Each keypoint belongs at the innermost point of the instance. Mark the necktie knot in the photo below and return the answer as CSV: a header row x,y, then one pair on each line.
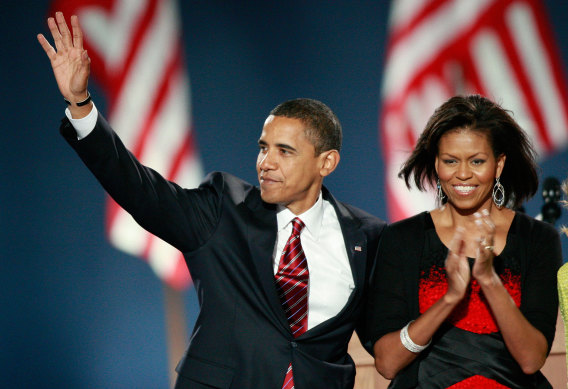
x,y
297,226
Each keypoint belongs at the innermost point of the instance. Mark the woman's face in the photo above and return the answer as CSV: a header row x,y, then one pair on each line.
x,y
467,169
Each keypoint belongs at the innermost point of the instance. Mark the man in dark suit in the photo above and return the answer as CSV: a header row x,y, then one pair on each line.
x,y
280,269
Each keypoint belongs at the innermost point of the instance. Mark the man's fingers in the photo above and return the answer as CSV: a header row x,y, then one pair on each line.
x,y
49,50
63,29
77,32
55,33
86,62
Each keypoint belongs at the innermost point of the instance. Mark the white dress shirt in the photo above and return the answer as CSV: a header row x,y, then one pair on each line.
x,y
331,279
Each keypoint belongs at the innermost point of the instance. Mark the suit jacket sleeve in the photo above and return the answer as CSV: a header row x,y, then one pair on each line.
x,y
184,218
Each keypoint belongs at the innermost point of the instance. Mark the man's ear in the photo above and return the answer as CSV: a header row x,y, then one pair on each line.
x,y
330,160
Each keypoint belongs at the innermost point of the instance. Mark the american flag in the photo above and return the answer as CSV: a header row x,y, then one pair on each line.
x,y
136,55
502,49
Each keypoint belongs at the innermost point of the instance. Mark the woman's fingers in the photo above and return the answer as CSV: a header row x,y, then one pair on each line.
x,y
456,245
456,248
486,229
455,255
483,267
457,267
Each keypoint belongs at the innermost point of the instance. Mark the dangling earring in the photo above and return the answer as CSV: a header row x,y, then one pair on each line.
x,y
498,193
441,195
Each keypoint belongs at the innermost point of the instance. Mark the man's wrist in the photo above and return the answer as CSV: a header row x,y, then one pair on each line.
x,y
85,120
79,103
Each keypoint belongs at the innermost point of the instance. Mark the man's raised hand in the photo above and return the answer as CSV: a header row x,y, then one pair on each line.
x,y
70,62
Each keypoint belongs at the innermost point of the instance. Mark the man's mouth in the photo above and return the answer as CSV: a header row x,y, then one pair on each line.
x,y
268,180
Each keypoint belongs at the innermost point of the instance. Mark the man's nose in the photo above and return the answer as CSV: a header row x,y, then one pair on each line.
x,y
266,161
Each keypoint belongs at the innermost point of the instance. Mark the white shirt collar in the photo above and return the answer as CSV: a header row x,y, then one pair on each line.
x,y
312,218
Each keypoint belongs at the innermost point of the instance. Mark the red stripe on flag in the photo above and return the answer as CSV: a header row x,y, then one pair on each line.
x,y
139,34
400,33
520,73
186,148
164,88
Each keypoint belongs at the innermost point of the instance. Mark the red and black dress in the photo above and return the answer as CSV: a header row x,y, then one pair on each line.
x,y
468,350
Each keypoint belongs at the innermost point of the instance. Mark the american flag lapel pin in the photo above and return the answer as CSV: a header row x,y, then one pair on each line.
x,y
357,248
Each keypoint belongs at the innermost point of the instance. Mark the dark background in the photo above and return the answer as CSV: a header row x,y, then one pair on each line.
x,y
75,312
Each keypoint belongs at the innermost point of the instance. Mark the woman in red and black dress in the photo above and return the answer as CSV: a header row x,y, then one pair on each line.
x,y
464,296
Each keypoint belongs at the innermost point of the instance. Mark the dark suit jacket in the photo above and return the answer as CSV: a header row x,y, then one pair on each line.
x,y
227,234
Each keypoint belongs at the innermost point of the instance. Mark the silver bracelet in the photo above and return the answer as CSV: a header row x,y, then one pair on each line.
x,y
408,343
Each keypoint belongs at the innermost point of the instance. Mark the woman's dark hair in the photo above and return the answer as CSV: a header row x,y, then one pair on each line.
x,y
477,113
322,126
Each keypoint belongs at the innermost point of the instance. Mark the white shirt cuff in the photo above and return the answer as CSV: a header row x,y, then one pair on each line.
x,y
85,125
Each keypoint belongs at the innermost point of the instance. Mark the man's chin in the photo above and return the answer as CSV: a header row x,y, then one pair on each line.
x,y
267,198
270,198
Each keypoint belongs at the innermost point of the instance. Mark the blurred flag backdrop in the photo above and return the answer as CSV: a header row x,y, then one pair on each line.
x,y
137,59
502,49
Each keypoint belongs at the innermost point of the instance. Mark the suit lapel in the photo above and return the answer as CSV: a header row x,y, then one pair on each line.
x,y
356,247
355,243
261,236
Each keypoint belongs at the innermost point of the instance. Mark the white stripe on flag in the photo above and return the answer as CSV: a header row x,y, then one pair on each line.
x,y
498,79
138,94
127,235
536,60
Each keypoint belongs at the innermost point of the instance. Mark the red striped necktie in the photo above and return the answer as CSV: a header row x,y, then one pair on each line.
x,y
292,286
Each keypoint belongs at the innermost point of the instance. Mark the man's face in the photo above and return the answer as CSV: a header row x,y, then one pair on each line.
x,y
289,172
